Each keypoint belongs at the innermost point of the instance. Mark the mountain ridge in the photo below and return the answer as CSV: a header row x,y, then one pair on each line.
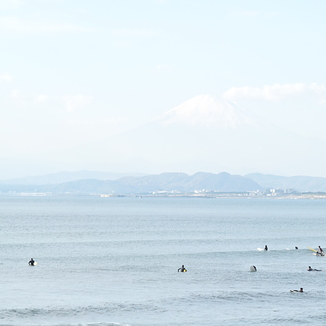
x,y
298,183
65,176
132,182
181,182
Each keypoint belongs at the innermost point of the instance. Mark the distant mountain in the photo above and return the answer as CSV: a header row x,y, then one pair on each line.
x,y
204,133
207,134
222,182
87,182
62,177
298,183
207,111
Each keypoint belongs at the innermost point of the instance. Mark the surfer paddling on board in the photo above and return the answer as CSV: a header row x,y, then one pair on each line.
x,y
31,262
313,269
301,290
265,248
182,269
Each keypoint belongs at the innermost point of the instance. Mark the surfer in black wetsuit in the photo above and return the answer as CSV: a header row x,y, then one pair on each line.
x,y
31,262
265,248
182,269
313,269
320,250
301,290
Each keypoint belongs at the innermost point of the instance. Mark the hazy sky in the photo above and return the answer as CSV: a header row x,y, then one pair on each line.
x,y
75,71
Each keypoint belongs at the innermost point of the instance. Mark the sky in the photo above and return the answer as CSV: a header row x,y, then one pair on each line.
x,y
74,72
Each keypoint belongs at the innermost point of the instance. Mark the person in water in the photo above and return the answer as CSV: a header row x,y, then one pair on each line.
x,y
320,251
301,290
313,269
182,269
31,262
265,248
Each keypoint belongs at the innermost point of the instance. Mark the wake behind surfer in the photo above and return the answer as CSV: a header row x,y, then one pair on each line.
x,y
31,262
182,269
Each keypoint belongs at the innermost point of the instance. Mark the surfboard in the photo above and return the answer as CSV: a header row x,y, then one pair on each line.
x,y
35,263
312,249
261,249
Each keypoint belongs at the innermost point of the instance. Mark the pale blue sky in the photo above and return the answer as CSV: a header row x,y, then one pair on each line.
x,y
75,71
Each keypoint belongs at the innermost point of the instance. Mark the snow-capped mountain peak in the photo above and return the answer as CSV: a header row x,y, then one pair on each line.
x,y
207,111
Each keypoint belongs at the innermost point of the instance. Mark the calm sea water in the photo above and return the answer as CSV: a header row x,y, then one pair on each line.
x,y
114,261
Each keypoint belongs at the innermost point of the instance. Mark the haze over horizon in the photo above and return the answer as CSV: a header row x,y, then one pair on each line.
x,y
162,86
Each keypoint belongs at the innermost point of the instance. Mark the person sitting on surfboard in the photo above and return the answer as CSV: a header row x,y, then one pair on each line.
x,y
320,251
265,248
182,269
31,262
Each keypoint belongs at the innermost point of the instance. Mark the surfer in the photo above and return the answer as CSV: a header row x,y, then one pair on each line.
x,y
301,290
313,269
296,248
253,268
31,262
182,269
320,250
265,248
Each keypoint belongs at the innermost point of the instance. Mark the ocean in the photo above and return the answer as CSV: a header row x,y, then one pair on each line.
x,y
114,261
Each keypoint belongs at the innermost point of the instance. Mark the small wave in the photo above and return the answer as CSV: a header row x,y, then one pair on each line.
x,y
236,296
73,311
93,324
60,316
76,324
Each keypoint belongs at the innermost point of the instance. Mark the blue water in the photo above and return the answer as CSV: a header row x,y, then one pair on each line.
x,y
114,261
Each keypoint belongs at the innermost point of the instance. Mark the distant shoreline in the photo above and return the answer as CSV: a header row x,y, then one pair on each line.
x,y
226,195
244,195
